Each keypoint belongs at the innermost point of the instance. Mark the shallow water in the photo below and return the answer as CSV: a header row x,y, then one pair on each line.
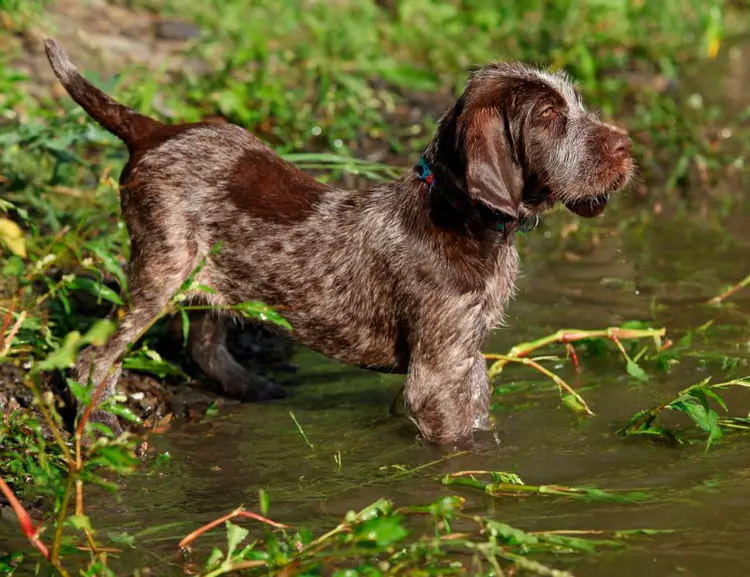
x,y
673,260
654,268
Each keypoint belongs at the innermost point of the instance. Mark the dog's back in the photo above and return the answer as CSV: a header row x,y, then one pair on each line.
x,y
286,239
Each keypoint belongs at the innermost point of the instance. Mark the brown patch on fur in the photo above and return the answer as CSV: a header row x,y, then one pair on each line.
x,y
272,189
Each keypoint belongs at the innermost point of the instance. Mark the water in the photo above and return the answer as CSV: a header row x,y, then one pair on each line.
x,y
677,260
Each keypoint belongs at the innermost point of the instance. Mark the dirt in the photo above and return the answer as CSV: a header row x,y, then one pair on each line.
x,y
101,37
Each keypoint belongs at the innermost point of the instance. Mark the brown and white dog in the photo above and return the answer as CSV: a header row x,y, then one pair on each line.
x,y
407,276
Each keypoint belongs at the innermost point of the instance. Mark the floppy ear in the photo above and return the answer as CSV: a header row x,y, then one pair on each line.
x,y
493,175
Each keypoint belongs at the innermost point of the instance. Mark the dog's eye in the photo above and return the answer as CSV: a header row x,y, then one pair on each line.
x,y
547,112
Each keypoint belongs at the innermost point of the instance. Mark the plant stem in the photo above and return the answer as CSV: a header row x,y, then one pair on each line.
x,y
561,384
240,512
301,431
63,513
6,323
54,429
27,526
567,336
730,291
80,512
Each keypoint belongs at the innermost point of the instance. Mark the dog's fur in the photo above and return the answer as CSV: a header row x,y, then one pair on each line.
x,y
395,278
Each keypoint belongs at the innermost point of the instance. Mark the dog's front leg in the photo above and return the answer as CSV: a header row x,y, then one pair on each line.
x,y
439,393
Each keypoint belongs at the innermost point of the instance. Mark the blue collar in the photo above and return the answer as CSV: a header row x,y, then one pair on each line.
x,y
456,197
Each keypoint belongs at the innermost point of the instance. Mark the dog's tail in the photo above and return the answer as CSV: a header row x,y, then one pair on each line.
x,y
123,122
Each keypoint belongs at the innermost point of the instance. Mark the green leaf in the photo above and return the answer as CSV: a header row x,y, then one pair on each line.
x,y
235,536
379,507
503,477
80,522
9,563
635,371
715,433
13,267
572,402
100,427
716,397
97,289
383,531
259,311
122,539
696,407
64,357
121,411
115,457
214,558
680,169
464,480
510,534
445,506
99,333
595,347
211,411
81,392
97,569
265,502
111,265
185,326
157,367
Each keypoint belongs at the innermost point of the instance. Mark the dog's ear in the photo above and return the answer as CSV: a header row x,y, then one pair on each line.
x,y
493,174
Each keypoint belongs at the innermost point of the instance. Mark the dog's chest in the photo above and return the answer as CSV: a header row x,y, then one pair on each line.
x,y
500,285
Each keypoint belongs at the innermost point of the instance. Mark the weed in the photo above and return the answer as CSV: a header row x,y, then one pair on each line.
x,y
509,484
694,403
382,536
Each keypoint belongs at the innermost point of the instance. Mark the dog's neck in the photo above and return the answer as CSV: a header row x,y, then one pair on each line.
x,y
463,204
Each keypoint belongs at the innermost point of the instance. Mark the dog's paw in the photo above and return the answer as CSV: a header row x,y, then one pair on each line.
x,y
271,391
253,388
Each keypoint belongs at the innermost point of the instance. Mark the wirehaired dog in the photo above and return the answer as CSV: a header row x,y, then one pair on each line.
x,y
407,276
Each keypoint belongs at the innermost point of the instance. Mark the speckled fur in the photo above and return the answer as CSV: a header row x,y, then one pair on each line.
x,y
389,278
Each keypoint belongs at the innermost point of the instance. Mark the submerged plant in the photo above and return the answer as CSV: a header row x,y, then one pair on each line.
x,y
593,339
500,484
694,402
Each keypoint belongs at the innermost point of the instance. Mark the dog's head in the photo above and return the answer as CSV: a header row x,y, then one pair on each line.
x,y
519,139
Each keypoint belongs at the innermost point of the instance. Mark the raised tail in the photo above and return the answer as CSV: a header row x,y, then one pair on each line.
x,y
123,122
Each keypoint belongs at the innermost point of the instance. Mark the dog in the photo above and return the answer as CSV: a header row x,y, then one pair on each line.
x,y
405,277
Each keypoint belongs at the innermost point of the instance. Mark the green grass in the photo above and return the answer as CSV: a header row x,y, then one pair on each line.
x,y
330,85
338,75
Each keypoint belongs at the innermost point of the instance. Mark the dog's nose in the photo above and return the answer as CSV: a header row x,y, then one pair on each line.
x,y
617,144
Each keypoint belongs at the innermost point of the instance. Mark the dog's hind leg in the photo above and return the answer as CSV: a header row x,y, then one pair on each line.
x,y
208,349
154,278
